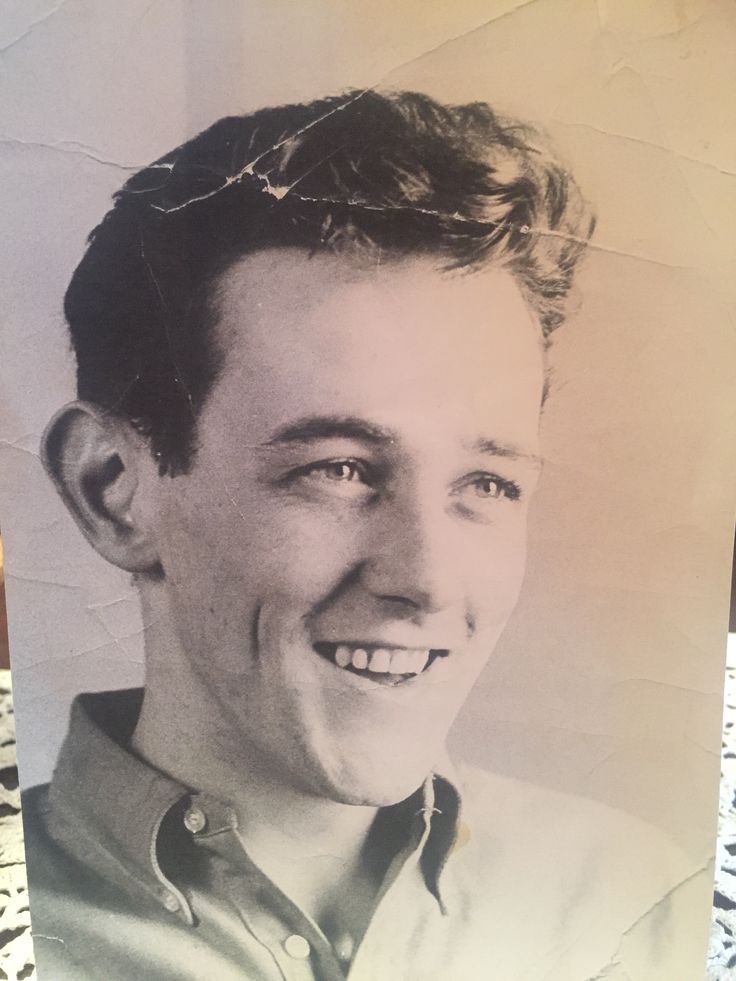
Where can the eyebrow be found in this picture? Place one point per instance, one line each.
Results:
(492, 447)
(313, 428)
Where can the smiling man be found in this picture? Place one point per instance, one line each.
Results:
(311, 362)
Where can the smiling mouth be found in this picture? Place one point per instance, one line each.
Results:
(384, 665)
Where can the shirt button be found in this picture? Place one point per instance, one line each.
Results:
(171, 902)
(297, 947)
(195, 820)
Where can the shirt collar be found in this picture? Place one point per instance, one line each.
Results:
(108, 795)
(102, 793)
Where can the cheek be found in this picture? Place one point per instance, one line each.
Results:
(279, 556)
(495, 569)
(307, 549)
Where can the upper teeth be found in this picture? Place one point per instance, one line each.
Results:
(382, 661)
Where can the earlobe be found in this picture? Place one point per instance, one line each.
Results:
(94, 464)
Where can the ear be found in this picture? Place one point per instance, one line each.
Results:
(94, 461)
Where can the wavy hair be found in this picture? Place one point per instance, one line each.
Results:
(376, 177)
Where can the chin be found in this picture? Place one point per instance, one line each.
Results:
(378, 786)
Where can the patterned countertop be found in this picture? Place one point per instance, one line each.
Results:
(16, 949)
(722, 953)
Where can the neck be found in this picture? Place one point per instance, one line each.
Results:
(313, 848)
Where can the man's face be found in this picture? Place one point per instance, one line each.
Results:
(350, 541)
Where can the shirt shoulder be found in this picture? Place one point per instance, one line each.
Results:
(59, 855)
(73, 908)
(580, 886)
(47, 863)
(523, 812)
(54, 884)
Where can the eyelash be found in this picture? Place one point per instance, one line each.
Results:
(508, 489)
(361, 468)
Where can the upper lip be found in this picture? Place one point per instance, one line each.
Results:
(385, 645)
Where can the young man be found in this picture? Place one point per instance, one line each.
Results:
(311, 362)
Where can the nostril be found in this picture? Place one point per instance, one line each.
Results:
(398, 600)
(400, 607)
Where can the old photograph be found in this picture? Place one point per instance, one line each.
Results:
(366, 488)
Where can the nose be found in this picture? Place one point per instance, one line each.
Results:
(415, 557)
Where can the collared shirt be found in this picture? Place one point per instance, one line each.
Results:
(134, 876)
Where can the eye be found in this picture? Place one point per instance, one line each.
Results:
(489, 487)
(479, 489)
(343, 478)
(340, 471)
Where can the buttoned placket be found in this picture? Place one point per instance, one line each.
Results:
(404, 871)
(297, 946)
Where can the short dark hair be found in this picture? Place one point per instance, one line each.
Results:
(366, 174)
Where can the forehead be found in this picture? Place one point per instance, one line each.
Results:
(401, 338)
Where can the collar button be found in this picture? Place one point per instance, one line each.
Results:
(171, 902)
(297, 947)
(195, 820)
